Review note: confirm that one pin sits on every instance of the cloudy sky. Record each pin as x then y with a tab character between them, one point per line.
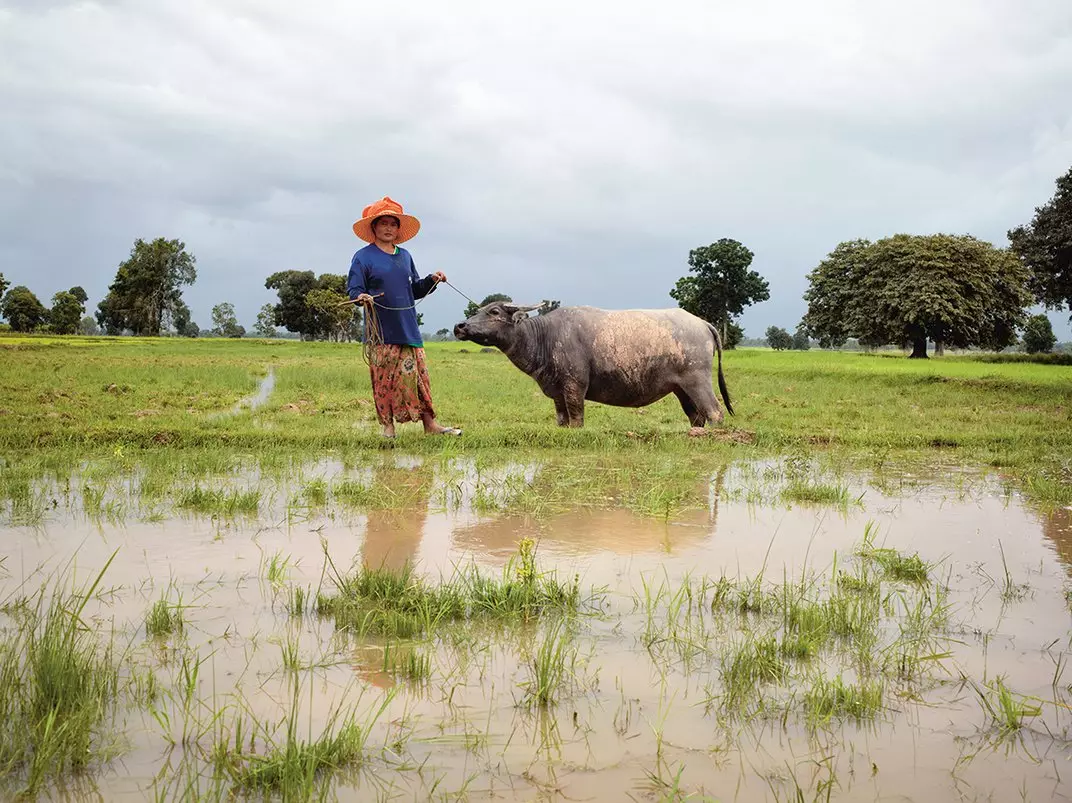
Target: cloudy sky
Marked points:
571	150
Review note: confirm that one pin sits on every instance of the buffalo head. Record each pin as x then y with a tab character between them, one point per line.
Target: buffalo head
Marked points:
493	325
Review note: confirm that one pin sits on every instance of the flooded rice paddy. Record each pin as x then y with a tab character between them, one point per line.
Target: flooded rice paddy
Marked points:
752	632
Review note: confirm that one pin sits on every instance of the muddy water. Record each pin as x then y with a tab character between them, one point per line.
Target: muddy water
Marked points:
632	723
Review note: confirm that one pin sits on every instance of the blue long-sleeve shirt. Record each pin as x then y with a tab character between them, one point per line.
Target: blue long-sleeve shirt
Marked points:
373	271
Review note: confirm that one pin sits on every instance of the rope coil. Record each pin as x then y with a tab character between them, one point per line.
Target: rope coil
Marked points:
373	332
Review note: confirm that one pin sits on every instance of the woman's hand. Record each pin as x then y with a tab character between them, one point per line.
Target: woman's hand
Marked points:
439	276
364	299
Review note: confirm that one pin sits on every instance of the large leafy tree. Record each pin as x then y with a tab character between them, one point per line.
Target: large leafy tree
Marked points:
1045	246
721	286
472	306
954	290
66	312
23	310
147	288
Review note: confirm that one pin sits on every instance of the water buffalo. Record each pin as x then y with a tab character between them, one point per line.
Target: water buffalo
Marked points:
626	358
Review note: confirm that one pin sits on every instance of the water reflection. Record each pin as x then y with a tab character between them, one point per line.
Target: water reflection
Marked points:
1057	526
393	537
588	530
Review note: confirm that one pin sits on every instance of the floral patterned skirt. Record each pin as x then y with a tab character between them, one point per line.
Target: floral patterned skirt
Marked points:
400	385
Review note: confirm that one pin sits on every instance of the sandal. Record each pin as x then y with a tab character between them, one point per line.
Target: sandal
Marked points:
447	431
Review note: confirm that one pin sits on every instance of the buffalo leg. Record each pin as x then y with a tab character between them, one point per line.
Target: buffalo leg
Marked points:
706	403
696	418
561	413
573	396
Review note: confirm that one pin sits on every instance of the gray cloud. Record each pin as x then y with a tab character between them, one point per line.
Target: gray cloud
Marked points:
552	150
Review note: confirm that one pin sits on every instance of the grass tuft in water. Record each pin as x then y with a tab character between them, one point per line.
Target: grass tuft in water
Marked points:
294	767
407	663
400	605
1004	709
834	699
894	565
219	502
164	619
58	685
548	668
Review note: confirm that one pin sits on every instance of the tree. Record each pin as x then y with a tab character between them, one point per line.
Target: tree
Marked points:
954	290
66	312
471	309
88	326
778	338
443	334
4	284
79	293
722	287
264	327
1045	247
191	329
1038	335
295	314
147	287
333	316
800	339
225	322
548	306
23	310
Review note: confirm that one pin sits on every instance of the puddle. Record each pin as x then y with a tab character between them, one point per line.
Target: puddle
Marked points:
637	720
258	399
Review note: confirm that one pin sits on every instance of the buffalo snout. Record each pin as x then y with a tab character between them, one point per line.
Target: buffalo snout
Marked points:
460	331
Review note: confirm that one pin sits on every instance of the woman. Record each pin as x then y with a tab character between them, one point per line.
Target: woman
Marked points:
384	279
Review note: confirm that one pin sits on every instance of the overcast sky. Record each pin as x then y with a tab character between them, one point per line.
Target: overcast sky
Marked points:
569	150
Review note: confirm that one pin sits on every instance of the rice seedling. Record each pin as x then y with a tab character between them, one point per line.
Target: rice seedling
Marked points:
292	765
59	685
407	663
894	565
297	602
833	699
1005	710
220	502
164	619
748	665
548	668
818	493
1011	591
277	571
400	605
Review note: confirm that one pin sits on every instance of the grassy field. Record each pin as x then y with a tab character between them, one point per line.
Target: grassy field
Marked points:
85	395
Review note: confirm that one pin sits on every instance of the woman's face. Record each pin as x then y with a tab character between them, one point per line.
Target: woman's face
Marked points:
385	229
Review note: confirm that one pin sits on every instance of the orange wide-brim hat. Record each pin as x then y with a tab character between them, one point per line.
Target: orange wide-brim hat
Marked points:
408	226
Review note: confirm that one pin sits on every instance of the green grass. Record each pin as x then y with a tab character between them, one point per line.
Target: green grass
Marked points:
164	619
398	604
166	392
218	501
294	765
549	668
60	683
1005	711
834	699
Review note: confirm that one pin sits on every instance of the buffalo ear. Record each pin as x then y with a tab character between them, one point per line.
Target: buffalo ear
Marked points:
522	312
